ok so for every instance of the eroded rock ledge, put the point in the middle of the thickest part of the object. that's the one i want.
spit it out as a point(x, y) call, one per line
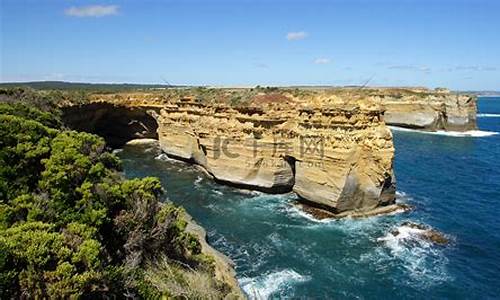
point(334, 152)
point(418, 108)
point(336, 156)
point(430, 110)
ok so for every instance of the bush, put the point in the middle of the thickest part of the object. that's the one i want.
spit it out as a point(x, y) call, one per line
point(70, 225)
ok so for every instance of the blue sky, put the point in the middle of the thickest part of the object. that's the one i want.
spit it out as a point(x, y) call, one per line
point(455, 44)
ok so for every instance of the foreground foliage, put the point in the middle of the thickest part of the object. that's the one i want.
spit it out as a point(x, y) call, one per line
point(71, 226)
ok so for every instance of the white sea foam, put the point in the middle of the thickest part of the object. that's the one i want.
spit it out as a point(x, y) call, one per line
point(348, 223)
point(488, 115)
point(263, 287)
point(116, 151)
point(356, 227)
point(400, 194)
point(469, 133)
point(402, 197)
point(296, 211)
point(198, 180)
point(163, 157)
point(261, 196)
point(356, 230)
point(250, 192)
point(263, 201)
point(217, 192)
point(405, 233)
point(276, 239)
point(144, 141)
point(423, 261)
point(150, 150)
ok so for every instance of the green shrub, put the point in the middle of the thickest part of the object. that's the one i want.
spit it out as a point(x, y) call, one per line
point(70, 225)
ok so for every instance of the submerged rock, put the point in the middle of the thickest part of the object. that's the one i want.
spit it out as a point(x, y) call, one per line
point(423, 231)
point(322, 213)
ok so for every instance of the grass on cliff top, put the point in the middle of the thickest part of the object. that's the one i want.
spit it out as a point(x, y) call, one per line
point(51, 99)
point(180, 282)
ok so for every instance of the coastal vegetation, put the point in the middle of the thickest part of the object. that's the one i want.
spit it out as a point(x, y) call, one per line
point(72, 227)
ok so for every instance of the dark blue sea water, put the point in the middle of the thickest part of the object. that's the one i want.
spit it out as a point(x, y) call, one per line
point(453, 182)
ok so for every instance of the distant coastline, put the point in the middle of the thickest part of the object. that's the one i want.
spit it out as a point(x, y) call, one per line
point(67, 85)
point(481, 93)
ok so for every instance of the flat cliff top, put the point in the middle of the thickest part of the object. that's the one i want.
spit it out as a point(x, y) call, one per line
point(279, 98)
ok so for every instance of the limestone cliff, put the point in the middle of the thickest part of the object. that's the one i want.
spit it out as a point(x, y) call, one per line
point(333, 152)
point(417, 108)
point(429, 110)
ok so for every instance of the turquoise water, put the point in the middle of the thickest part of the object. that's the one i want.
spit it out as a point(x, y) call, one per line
point(453, 182)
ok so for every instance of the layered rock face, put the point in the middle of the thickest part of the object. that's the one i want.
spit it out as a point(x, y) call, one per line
point(428, 110)
point(335, 152)
point(329, 145)
point(330, 152)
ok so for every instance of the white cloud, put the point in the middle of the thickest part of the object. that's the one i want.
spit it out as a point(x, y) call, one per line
point(95, 11)
point(411, 68)
point(322, 61)
point(474, 68)
point(262, 66)
point(295, 36)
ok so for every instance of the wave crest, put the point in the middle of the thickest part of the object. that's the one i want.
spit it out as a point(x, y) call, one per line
point(469, 133)
point(488, 115)
point(163, 157)
point(420, 258)
point(263, 287)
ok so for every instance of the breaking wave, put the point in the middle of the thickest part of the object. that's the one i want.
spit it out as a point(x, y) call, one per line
point(265, 286)
point(424, 262)
point(217, 192)
point(296, 211)
point(163, 157)
point(469, 133)
point(249, 192)
point(488, 115)
point(198, 180)
point(116, 151)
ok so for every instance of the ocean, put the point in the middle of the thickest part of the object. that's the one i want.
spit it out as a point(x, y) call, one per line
point(452, 180)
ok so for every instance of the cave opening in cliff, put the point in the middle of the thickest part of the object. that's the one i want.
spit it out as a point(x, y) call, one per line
point(117, 124)
point(291, 161)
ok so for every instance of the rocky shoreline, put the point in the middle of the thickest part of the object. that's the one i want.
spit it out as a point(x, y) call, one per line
point(223, 265)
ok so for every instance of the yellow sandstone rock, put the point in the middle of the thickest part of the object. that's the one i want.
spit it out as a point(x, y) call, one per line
point(330, 146)
point(333, 152)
